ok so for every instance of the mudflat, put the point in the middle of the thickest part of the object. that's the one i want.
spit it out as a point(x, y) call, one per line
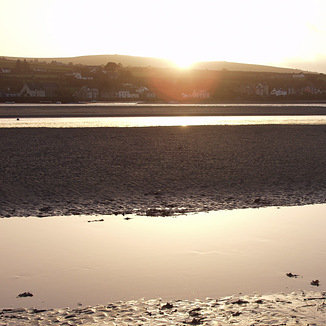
point(160, 170)
point(142, 110)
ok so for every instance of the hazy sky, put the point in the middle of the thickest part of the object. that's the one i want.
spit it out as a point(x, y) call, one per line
point(290, 33)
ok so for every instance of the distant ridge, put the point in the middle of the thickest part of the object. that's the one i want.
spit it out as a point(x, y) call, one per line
point(233, 66)
point(103, 59)
point(134, 61)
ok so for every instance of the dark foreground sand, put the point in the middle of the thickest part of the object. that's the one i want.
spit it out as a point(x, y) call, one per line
point(160, 170)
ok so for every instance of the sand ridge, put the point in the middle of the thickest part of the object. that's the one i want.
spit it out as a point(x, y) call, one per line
point(159, 170)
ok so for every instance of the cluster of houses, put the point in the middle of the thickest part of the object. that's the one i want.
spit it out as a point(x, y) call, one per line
point(126, 92)
point(86, 93)
point(196, 94)
point(5, 71)
point(33, 89)
point(78, 75)
point(263, 89)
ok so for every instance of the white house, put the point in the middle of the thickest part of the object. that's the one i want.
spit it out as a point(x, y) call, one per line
point(298, 76)
point(88, 93)
point(150, 95)
point(278, 92)
point(261, 89)
point(33, 90)
point(126, 94)
point(9, 92)
point(141, 89)
point(38, 89)
point(291, 91)
point(197, 93)
point(39, 69)
point(310, 89)
point(4, 70)
point(78, 75)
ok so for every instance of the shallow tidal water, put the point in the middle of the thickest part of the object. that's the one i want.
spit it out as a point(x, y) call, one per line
point(64, 261)
point(125, 122)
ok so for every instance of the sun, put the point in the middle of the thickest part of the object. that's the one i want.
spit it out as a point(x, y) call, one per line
point(183, 62)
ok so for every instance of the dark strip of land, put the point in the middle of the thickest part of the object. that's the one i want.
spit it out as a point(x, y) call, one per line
point(95, 110)
point(160, 170)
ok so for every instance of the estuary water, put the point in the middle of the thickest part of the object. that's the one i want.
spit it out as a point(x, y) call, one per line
point(84, 115)
point(92, 259)
point(91, 122)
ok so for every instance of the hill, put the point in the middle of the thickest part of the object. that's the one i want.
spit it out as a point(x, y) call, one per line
point(98, 60)
point(233, 66)
point(134, 61)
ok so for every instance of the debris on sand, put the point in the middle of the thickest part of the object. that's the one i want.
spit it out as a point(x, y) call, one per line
point(240, 302)
point(315, 283)
point(24, 295)
point(100, 220)
point(168, 305)
point(292, 275)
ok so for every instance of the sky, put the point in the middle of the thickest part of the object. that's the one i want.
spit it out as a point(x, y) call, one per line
point(284, 33)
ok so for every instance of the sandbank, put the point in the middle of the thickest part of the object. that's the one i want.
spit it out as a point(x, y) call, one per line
point(160, 170)
point(147, 110)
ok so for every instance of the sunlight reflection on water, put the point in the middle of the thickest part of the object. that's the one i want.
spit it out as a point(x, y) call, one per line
point(92, 122)
point(65, 260)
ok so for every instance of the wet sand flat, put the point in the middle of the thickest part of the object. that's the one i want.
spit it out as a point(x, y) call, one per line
point(160, 170)
point(143, 110)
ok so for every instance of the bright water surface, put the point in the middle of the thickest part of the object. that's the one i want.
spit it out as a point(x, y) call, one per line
point(157, 121)
point(149, 121)
point(66, 260)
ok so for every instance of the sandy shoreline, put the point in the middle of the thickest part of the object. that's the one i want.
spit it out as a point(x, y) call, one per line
point(298, 308)
point(160, 170)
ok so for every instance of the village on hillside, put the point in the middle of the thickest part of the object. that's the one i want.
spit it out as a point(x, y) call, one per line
point(34, 81)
